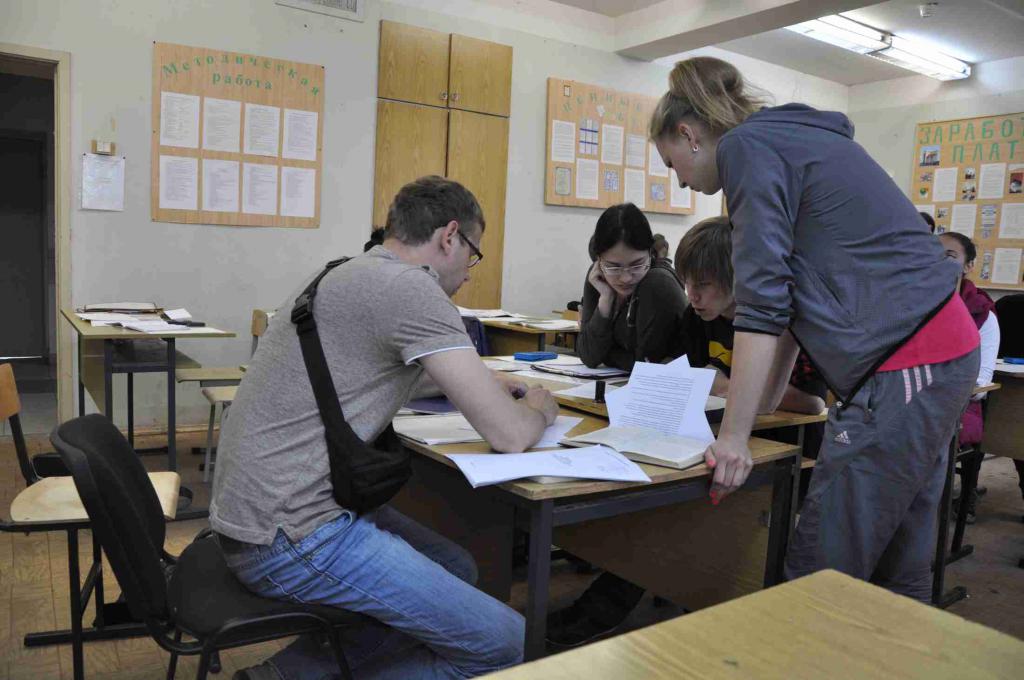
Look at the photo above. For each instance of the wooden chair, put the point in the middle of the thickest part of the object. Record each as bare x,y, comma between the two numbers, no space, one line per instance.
35,467
216,396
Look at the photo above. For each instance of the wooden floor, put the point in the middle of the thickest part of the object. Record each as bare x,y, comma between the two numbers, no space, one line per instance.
34,580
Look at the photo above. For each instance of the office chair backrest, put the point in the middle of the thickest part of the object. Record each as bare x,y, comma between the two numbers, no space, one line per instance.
123,508
1010,313
10,407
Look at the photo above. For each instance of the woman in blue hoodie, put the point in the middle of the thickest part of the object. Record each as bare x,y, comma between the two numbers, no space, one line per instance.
829,255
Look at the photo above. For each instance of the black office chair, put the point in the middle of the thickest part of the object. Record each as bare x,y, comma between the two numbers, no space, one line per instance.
1010,312
33,468
195,594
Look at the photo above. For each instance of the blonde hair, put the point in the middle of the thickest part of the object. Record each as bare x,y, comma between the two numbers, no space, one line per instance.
708,89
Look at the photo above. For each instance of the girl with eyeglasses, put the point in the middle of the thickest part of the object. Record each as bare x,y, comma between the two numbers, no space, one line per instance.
632,306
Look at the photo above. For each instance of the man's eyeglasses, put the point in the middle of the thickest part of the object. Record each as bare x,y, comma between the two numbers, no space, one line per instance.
622,271
475,258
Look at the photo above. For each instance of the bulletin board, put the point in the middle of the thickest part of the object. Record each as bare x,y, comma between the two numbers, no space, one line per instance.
237,138
598,153
968,174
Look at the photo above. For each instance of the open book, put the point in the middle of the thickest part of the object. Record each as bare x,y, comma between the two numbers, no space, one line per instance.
644,445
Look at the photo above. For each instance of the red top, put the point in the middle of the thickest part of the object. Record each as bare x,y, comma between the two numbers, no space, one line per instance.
951,333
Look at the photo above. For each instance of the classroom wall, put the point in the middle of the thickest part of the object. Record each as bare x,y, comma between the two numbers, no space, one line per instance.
221,273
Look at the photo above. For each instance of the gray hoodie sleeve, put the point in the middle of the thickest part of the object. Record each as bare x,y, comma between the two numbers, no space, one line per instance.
763,195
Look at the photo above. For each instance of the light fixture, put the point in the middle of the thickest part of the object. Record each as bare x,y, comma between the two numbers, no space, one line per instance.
856,37
842,32
923,60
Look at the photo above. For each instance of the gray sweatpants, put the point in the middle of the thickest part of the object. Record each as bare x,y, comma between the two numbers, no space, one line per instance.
872,504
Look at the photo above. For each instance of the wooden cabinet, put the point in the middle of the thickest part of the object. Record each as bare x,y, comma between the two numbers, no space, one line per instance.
412,141
443,109
478,159
413,64
480,76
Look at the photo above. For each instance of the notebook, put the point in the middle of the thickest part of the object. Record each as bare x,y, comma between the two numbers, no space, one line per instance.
644,445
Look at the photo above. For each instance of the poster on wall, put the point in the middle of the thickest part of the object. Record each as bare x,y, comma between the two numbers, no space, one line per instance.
237,138
970,172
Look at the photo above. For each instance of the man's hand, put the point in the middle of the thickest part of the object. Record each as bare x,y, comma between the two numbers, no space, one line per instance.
541,400
513,384
731,461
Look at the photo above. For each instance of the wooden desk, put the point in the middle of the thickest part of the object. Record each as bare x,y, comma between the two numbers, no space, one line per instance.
508,338
1004,424
98,360
826,625
573,515
53,504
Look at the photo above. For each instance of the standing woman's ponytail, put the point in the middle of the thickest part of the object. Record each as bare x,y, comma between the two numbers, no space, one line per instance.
707,89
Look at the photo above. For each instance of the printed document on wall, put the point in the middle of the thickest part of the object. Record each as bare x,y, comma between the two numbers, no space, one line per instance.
633,187
636,151
259,189
964,217
262,125
220,185
1006,268
179,179
611,144
222,124
563,141
586,178
298,192
944,188
300,128
657,165
679,197
179,120
102,182
990,182
1011,222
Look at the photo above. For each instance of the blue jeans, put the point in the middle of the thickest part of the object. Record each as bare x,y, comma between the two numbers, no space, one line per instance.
430,620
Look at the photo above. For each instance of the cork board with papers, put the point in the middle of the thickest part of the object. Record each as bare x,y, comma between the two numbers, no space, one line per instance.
237,138
969,175
598,153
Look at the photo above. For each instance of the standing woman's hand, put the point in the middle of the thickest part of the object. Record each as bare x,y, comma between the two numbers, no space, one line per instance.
606,301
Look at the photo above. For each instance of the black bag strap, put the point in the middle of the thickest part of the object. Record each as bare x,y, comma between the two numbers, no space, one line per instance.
338,430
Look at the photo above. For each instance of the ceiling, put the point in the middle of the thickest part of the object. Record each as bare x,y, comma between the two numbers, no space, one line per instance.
972,30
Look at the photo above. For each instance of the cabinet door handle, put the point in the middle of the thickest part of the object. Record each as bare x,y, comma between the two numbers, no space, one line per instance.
455,96
443,96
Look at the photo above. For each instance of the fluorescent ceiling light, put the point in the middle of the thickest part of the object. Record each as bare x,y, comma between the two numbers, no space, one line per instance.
842,32
923,60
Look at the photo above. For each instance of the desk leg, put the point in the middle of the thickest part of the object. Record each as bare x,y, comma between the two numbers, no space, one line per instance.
130,378
77,661
540,342
939,599
786,481
539,575
172,452
97,558
108,379
81,383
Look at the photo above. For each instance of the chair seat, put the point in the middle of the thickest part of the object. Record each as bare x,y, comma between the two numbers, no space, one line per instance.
204,595
55,499
220,395
209,373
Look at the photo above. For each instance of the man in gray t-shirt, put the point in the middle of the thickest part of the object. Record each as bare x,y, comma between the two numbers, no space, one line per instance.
385,321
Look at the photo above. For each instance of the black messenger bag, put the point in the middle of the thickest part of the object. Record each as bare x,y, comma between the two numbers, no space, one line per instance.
363,476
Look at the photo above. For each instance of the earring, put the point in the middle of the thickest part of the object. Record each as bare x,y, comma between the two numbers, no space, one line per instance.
695,148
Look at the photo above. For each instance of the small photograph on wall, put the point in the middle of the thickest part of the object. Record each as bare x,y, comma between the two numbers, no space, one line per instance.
925,177
970,173
923,192
1016,179
930,155
941,212
968,191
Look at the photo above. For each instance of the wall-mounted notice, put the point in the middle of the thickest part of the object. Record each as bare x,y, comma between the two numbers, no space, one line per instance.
969,173
102,182
601,135
237,138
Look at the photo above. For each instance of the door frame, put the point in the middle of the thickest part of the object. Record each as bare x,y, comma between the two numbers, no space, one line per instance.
61,64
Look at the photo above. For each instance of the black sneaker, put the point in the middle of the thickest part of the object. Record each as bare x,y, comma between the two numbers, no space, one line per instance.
571,627
263,671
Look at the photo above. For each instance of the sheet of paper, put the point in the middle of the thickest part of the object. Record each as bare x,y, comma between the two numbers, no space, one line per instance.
531,374
222,124
220,185
964,217
102,182
561,360
1006,268
298,192
1011,221
106,317
563,141
656,165
262,127
928,209
259,189
633,187
611,144
586,178
944,186
592,462
179,120
556,431
485,313
506,366
636,151
991,179
1003,367
179,314
300,131
666,398
679,197
179,179
433,430
585,391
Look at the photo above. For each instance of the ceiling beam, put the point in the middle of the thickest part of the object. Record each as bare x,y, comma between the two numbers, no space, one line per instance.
675,26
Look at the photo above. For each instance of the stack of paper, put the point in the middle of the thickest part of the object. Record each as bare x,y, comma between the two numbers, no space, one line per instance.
580,371
594,462
547,324
485,313
125,307
455,429
658,417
